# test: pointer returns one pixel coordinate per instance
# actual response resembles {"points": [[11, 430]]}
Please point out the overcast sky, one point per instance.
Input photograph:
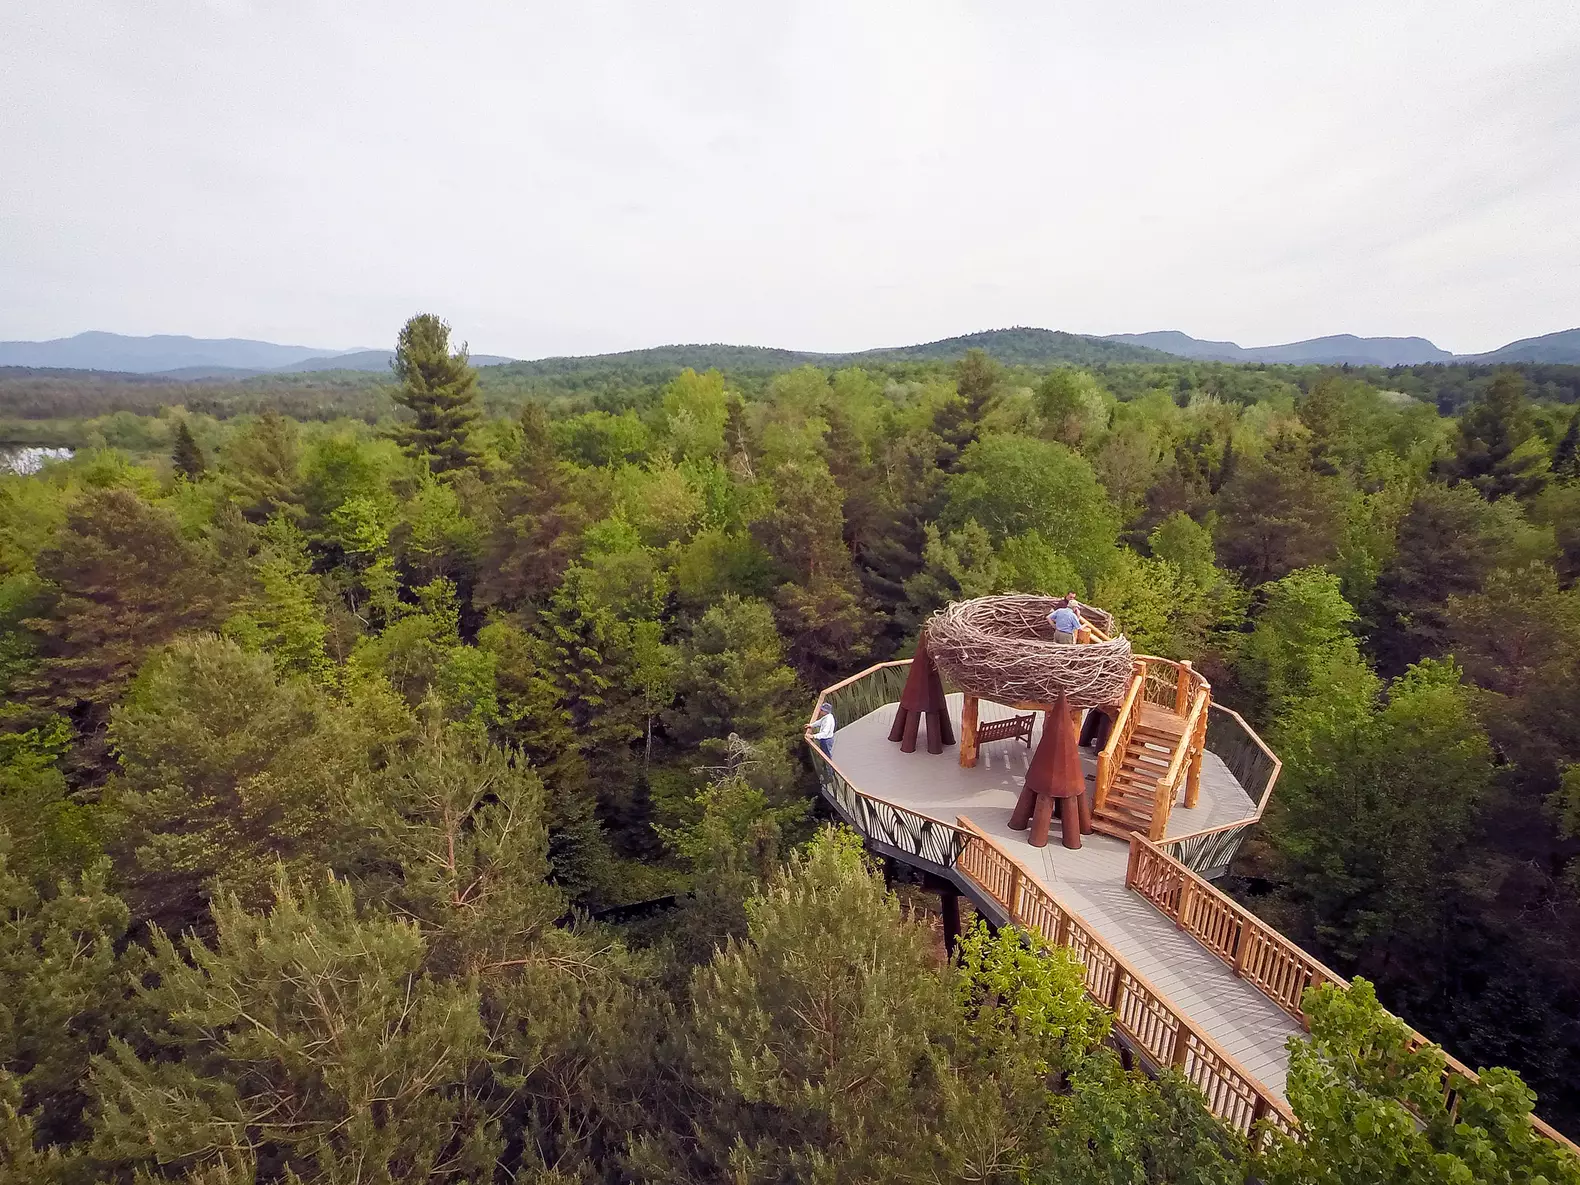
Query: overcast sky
{"points": [[579, 177]]}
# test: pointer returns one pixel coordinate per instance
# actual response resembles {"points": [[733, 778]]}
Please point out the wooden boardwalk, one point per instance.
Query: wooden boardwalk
{"points": [[1091, 881]]}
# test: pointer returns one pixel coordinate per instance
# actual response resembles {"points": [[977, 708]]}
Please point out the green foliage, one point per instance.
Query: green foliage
{"points": [[227, 771], [1011, 485], [1497, 451], [124, 579], [601, 595], [52, 835], [1372, 1108], [308, 1038], [731, 676], [440, 390], [1377, 805], [1301, 646]]}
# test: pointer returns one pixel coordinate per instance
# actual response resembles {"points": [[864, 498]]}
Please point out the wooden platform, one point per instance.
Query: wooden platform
{"points": [[1090, 881]]}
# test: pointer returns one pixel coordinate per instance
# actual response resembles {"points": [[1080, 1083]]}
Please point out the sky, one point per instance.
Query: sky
{"points": [[559, 178]]}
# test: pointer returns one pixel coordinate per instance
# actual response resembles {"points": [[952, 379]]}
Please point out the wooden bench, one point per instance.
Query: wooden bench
{"points": [[1012, 728]]}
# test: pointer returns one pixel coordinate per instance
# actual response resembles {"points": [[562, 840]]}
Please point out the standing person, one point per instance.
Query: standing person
{"points": [[823, 730], [1065, 620]]}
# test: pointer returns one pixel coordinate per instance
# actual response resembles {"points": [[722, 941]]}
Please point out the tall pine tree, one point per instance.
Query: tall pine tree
{"points": [[440, 389], [186, 456]]}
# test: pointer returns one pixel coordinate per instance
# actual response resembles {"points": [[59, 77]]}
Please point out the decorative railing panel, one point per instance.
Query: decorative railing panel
{"points": [[866, 692], [1242, 752], [900, 828], [1204, 852]]}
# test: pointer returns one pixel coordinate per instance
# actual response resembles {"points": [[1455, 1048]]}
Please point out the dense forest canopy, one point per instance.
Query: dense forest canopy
{"points": [[343, 717]]}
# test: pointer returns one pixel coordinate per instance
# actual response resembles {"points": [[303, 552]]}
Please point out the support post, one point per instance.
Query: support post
{"points": [[968, 731], [1182, 910], [1193, 780], [1181, 1045], [1013, 904], [1182, 688], [949, 901]]}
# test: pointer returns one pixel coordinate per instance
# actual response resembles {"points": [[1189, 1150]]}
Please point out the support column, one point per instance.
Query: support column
{"points": [[949, 901], [968, 731]]}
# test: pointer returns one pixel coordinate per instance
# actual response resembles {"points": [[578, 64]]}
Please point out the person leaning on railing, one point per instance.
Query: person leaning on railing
{"points": [[822, 730], [1066, 622]]}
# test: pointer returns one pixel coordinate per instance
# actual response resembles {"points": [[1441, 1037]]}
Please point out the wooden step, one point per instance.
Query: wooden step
{"points": [[1146, 760], [1141, 819], [1143, 786], [1118, 830]]}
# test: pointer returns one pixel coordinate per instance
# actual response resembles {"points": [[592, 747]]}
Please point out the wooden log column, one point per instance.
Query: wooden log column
{"points": [[923, 696], [1055, 773], [968, 731]]}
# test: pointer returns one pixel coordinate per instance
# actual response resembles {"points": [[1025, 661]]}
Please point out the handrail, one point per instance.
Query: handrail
{"points": [[1274, 762], [1118, 737], [1143, 1014], [1168, 785], [1259, 954]]}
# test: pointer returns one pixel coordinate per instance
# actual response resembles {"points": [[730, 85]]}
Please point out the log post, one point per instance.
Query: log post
{"points": [[1182, 909], [1242, 949], [1193, 780], [1181, 1048], [1013, 904], [968, 731], [1182, 688]]}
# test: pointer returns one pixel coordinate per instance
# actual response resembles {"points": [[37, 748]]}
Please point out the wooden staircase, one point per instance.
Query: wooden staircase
{"points": [[1133, 780]]}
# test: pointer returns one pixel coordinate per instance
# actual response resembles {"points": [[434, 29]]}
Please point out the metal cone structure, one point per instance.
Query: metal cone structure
{"points": [[1055, 775], [923, 696]]}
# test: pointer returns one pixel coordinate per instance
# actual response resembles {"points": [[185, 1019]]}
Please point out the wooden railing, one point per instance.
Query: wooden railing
{"points": [[1118, 737], [1227, 735], [1148, 1021], [1258, 953], [1184, 758]]}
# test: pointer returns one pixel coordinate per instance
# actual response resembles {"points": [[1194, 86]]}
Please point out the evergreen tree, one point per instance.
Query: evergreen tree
{"points": [[1566, 456], [305, 1044], [227, 772], [125, 579], [1493, 435], [187, 457], [811, 1045], [976, 377], [262, 464], [440, 389]]}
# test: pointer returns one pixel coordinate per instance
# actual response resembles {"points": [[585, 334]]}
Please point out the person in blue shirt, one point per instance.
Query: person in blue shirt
{"points": [[1065, 620]]}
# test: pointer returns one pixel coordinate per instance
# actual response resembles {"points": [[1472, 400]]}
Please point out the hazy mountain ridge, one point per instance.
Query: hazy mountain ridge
{"points": [[1346, 349], [187, 359], [182, 357]]}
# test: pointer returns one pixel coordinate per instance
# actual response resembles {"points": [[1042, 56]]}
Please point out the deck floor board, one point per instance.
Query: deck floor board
{"points": [[1091, 881]]}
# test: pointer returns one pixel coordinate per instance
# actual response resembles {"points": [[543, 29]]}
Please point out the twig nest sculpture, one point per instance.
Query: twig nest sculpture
{"points": [[1002, 648]]}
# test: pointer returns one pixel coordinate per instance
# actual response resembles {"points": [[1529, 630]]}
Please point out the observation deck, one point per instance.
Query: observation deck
{"points": [[1193, 980], [1176, 1002]]}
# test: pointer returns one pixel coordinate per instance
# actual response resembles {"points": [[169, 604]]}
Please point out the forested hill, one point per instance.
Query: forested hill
{"points": [[1020, 346], [343, 734]]}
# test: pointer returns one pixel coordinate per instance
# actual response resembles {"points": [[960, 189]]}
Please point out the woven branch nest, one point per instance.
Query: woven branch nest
{"points": [[1002, 648]]}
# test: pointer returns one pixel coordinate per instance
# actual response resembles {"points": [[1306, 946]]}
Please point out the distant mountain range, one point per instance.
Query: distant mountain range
{"points": [[191, 357], [188, 358], [1347, 349]]}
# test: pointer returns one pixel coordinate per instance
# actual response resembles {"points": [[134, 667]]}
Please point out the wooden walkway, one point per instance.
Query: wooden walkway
{"points": [[1091, 881]]}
